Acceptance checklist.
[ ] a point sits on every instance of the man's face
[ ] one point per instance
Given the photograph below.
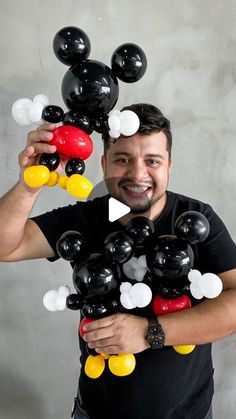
(136, 170)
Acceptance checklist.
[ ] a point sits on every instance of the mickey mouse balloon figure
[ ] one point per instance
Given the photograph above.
(90, 91)
(136, 270)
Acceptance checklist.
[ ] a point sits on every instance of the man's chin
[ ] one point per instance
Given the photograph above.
(140, 209)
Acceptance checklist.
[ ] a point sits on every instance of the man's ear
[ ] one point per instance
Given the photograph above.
(170, 164)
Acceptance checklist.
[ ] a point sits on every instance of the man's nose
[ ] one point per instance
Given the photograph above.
(138, 170)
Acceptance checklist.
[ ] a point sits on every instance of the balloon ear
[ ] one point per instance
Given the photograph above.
(129, 63)
(71, 45)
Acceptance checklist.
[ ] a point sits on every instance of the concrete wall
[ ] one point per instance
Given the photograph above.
(190, 46)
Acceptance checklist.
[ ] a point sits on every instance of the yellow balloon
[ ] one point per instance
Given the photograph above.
(105, 356)
(79, 186)
(62, 181)
(53, 179)
(36, 176)
(94, 366)
(122, 364)
(184, 349)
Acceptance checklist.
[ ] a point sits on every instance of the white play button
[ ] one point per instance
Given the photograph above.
(116, 209)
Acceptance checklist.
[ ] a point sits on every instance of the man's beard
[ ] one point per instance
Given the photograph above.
(144, 205)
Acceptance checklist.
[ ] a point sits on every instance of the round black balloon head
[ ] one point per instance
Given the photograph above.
(96, 278)
(90, 87)
(118, 247)
(78, 120)
(75, 166)
(140, 228)
(192, 226)
(171, 257)
(50, 160)
(71, 45)
(72, 246)
(129, 63)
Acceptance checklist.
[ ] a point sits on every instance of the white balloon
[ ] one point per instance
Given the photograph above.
(142, 261)
(42, 99)
(129, 122)
(49, 300)
(35, 112)
(129, 267)
(141, 295)
(195, 291)
(64, 290)
(114, 134)
(115, 112)
(126, 301)
(211, 285)
(125, 287)
(194, 274)
(114, 123)
(140, 273)
(61, 302)
(20, 111)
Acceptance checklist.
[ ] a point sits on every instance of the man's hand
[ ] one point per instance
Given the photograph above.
(37, 143)
(119, 333)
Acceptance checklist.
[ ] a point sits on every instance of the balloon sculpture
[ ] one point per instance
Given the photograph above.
(137, 269)
(90, 91)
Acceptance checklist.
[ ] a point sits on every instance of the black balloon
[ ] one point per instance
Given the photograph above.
(74, 166)
(192, 226)
(99, 309)
(78, 120)
(53, 114)
(71, 45)
(129, 63)
(95, 278)
(119, 247)
(72, 246)
(140, 228)
(171, 257)
(100, 124)
(90, 87)
(50, 160)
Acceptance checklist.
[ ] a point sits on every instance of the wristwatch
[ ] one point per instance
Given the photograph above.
(155, 334)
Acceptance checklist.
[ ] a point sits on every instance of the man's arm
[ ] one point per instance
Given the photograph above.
(206, 322)
(21, 238)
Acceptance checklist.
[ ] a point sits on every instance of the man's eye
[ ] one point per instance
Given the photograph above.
(122, 160)
(151, 162)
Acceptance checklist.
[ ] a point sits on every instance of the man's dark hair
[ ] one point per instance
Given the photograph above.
(151, 120)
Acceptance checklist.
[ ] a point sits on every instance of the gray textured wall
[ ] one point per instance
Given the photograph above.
(190, 46)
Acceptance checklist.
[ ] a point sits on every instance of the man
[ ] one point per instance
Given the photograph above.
(164, 384)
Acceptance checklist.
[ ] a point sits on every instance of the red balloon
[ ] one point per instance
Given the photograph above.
(72, 142)
(82, 324)
(162, 305)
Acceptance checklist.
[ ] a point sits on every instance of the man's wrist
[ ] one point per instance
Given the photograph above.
(155, 334)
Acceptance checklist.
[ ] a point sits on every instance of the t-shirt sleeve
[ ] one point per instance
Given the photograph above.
(218, 251)
(54, 223)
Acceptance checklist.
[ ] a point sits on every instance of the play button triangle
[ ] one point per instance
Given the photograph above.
(116, 209)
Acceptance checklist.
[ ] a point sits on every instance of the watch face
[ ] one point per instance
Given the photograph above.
(156, 336)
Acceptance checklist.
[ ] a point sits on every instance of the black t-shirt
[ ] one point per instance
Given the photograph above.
(164, 384)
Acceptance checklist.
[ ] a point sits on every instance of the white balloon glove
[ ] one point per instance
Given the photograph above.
(135, 268)
(138, 295)
(207, 285)
(122, 123)
(55, 300)
(26, 111)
